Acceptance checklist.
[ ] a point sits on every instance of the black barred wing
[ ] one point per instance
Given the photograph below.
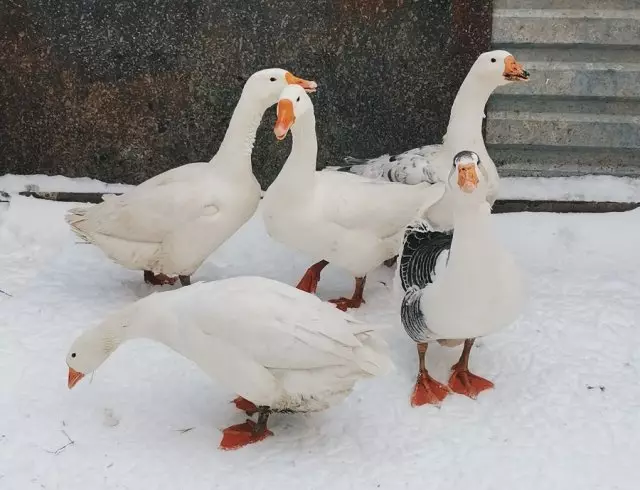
(420, 252)
(412, 317)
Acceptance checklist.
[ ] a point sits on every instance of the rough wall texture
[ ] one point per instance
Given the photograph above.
(122, 90)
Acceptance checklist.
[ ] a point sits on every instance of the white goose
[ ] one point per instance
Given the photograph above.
(280, 348)
(353, 222)
(431, 163)
(168, 225)
(460, 285)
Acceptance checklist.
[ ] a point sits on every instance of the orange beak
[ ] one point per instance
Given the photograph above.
(74, 377)
(467, 178)
(285, 120)
(307, 85)
(513, 71)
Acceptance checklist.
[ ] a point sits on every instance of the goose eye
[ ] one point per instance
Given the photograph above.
(73, 354)
(493, 60)
(273, 79)
(298, 99)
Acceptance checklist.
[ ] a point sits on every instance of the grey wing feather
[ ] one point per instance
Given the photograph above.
(411, 167)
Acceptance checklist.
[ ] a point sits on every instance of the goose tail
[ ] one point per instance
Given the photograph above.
(75, 217)
(373, 356)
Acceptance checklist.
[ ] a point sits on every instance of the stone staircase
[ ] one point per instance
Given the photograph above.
(580, 112)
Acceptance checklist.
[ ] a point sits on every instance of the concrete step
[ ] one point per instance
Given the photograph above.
(562, 104)
(576, 130)
(572, 53)
(566, 4)
(543, 161)
(559, 26)
(579, 79)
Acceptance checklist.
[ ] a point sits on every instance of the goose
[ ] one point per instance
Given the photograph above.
(457, 286)
(279, 348)
(431, 163)
(340, 218)
(168, 225)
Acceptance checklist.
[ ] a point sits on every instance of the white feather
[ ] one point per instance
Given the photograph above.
(266, 341)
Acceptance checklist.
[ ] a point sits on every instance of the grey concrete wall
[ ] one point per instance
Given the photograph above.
(580, 113)
(122, 90)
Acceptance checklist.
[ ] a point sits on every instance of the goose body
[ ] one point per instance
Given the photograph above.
(272, 344)
(340, 218)
(431, 163)
(457, 285)
(469, 263)
(169, 224)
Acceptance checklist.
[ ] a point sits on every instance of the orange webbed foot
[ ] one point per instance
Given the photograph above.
(241, 435)
(245, 405)
(466, 383)
(158, 279)
(345, 303)
(309, 281)
(428, 391)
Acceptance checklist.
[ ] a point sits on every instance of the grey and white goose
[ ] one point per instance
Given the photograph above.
(457, 285)
(431, 163)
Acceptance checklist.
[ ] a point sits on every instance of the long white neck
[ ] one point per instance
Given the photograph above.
(299, 170)
(474, 243)
(467, 113)
(237, 145)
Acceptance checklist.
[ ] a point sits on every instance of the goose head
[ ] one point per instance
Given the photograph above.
(498, 68)
(468, 178)
(293, 103)
(87, 353)
(266, 85)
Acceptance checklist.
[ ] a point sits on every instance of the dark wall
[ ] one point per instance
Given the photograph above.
(123, 90)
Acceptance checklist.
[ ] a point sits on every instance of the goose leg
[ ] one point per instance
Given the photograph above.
(311, 278)
(427, 389)
(185, 280)
(356, 300)
(245, 405)
(464, 382)
(158, 279)
(250, 432)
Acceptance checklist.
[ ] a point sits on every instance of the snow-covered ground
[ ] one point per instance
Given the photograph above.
(56, 183)
(587, 188)
(564, 413)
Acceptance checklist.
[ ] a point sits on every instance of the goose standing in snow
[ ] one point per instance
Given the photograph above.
(431, 163)
(460, 285)
(168, 225)
(340, 218)
(280, 349)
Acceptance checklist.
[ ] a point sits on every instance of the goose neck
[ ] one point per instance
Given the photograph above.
(467, 113)
(240, 136)
(301, 163)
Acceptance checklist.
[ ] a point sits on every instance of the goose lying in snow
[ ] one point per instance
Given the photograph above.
(348, 220)
(457, 286)
(431, 163)
(279, 348)
(168, 225)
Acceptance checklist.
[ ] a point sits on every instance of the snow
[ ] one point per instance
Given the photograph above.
(585, 188)
(56, 183)
(563, 414)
